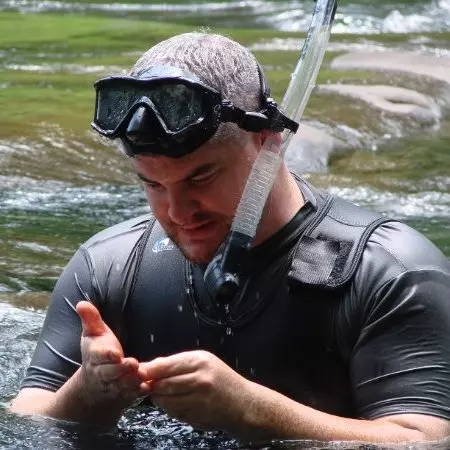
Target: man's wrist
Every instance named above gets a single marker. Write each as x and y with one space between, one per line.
74 402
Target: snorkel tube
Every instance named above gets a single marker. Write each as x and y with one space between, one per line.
222 274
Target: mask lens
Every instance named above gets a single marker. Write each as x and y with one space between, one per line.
177 105
113 104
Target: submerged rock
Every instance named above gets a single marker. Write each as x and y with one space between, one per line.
391 99
310 149
395 61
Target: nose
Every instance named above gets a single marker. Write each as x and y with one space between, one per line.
182 205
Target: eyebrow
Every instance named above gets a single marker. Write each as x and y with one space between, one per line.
200 170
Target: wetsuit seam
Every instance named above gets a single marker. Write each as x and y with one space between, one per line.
104 235
98 296
378 290
140 251
371 302
393 255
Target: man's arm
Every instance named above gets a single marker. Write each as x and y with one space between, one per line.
68 403
199 388
71 403
76 360
271 415
97 393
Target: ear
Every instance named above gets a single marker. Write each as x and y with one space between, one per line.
262 136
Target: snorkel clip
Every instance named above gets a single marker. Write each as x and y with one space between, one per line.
222 274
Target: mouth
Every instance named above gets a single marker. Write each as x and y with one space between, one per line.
198 232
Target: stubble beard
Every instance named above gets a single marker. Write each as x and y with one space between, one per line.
192 252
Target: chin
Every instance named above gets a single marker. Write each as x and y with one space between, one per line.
202 250
197 253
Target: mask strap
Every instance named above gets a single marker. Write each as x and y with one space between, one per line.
265 88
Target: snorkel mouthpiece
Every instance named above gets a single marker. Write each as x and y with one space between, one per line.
222 274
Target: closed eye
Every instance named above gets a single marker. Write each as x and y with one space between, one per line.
152 185
203 179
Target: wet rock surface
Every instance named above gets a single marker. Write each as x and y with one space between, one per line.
310 149
391 99
394 61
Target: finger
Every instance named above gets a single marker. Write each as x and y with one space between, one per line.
145 387
112 372
177 385
91 320
104 355
129 386
170 366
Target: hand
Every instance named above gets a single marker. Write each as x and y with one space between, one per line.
200 389
107 376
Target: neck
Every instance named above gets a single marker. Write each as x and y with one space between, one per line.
284 202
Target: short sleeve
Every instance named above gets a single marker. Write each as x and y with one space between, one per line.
57 355
401 360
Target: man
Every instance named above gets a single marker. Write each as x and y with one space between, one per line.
364 358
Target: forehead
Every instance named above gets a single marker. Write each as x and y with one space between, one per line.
166 169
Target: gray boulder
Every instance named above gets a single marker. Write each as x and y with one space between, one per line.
391 99
395 61
310 149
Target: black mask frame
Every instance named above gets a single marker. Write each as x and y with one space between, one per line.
133 109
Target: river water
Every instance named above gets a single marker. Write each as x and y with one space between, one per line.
359 16
59 185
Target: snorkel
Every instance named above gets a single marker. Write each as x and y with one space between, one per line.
222 274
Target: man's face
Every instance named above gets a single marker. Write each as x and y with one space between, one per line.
195 197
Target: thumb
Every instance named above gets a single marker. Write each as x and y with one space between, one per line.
91 320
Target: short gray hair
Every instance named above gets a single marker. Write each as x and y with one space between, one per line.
219 62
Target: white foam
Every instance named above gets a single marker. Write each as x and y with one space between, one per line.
72 68
366 18
426 204
396 22
49 5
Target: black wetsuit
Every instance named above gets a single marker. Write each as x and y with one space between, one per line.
376 346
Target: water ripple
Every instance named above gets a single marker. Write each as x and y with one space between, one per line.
428 204
77 69
361 18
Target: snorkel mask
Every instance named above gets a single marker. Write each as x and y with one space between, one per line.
167 111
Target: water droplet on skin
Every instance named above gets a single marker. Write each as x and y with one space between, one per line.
152 338
180 308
